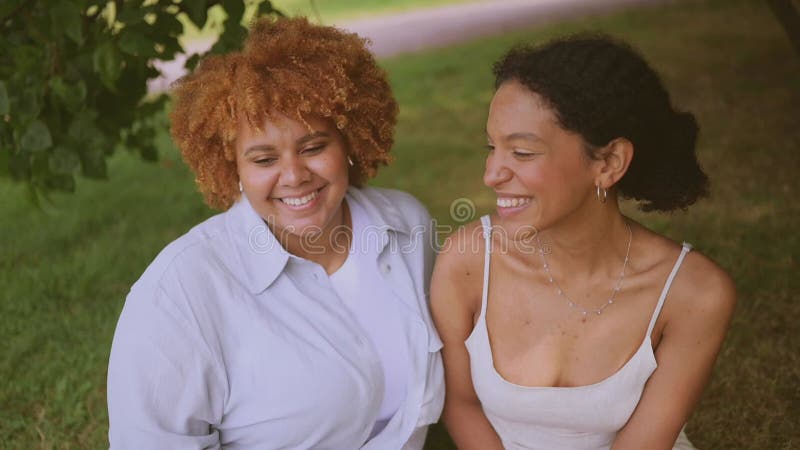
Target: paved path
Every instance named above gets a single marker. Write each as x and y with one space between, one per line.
437 27
417 30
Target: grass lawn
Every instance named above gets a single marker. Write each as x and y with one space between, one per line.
350 9
64 274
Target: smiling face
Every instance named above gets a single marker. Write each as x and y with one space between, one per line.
293 176
538 170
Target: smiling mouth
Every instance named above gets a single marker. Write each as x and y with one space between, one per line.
512 202
301 201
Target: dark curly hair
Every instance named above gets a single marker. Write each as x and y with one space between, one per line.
602 89
297 69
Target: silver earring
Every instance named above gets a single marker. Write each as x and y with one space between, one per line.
240 187
604 197
350 161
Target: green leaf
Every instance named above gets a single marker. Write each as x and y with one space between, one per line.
197 11
5 156
6 6
132 13
60 182
234 9
64 161
149 152
71 96
133 42
91 143
107 62
93 162
167 25
191 62
27 104
19 166
82 129
265 8
66 18
5 107
231 39
35 138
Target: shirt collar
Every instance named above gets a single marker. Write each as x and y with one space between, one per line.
382 213
261 256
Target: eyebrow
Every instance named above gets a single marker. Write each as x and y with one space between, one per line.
520 135
312 136
523 136
271 148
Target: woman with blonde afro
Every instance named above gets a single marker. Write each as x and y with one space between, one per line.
298 317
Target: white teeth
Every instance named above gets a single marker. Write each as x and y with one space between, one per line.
512 202
299 201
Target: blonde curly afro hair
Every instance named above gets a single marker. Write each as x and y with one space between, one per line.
294 68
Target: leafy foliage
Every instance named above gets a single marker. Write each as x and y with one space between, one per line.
73 83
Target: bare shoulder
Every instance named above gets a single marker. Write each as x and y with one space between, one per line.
463 251
703 290
711 287
458 278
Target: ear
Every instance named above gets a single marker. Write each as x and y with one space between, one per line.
613 161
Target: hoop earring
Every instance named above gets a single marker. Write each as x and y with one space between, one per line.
350 161
605 194
240 187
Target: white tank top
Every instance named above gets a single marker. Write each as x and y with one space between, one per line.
582 417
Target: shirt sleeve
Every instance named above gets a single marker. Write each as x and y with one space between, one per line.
417 439
165 390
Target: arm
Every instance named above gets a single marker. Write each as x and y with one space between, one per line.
455 301
694 329
164 390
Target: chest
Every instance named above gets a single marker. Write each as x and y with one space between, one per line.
294 360
538 339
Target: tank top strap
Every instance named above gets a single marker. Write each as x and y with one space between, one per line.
686 248
486 222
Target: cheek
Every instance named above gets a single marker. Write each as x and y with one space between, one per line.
261 179
331 167
536 178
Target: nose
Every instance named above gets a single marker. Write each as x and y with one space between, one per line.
294 171
497 171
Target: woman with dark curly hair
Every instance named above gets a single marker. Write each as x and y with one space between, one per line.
569 325
297 318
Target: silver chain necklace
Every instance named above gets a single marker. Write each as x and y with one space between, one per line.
572 304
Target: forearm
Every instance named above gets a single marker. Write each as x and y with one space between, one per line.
469 428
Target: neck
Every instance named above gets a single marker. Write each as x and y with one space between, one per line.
328 248
594 243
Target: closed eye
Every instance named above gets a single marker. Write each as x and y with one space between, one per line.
524 155
313 150
265 161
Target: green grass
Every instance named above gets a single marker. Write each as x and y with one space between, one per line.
64 275
351 9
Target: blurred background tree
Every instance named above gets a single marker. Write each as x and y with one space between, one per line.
73 83
787 13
